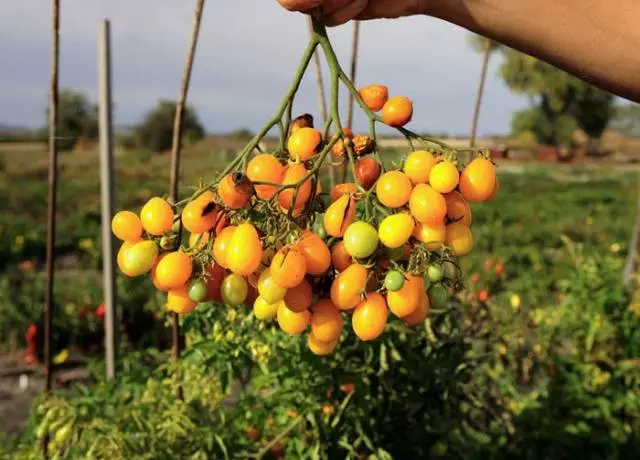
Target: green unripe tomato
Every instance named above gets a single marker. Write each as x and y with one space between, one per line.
197 290
394 280
438 296
435 272
234 289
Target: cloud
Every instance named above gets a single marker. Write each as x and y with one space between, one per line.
247 53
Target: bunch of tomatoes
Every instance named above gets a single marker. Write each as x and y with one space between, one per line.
266 236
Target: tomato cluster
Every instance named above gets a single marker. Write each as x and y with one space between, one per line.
266 236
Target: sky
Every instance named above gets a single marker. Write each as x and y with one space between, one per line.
247 53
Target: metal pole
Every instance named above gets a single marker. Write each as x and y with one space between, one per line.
175 157
483 77
106 192
52 196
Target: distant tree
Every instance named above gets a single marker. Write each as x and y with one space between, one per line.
626 119
77 118
156 130
560 103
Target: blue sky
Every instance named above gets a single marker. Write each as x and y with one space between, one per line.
247 53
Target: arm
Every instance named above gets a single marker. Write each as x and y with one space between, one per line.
596 40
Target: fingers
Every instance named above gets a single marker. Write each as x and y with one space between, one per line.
300 5
349 11
391 9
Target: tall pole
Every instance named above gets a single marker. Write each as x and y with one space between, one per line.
483 77
175 159
106 192
51 200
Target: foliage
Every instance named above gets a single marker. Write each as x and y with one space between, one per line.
560 101
77 118
156 130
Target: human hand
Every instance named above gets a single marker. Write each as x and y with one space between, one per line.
336 12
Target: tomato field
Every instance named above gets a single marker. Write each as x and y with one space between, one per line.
541 345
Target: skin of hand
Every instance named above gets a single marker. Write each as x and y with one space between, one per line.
337 12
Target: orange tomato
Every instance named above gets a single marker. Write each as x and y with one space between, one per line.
459 238
370 317
433 235
444 177
245 250
427 205
122 253
367 172
374 96
457 208
304 143
221 245
478 180
154 278
496 189
418 164
340 215
316 253
199 240
340 258
341 189
420 313
265 168
288 267
397 111
235 190
292 175
348 286
178 300
299 298
326 321
127 226
405 301
201 214
393 189
157 216
320 348
291 322
174 270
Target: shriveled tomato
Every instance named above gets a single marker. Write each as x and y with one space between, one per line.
393 189
298 298
245 250
370 317
288 267
348 286
326 321
444 177
367 172
316 253
396 229
459 238
360 239
291 322
457 208
477 180
320 348
404 301
427 205
292 175
127 226
340 215
418 164
265 168
201 214
221 245
235 190
340 258
341 189
156 216
374 96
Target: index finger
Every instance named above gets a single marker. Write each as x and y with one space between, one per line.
300 5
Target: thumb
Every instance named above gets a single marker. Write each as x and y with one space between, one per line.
300 5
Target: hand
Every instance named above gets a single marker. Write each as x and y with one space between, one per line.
336 12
